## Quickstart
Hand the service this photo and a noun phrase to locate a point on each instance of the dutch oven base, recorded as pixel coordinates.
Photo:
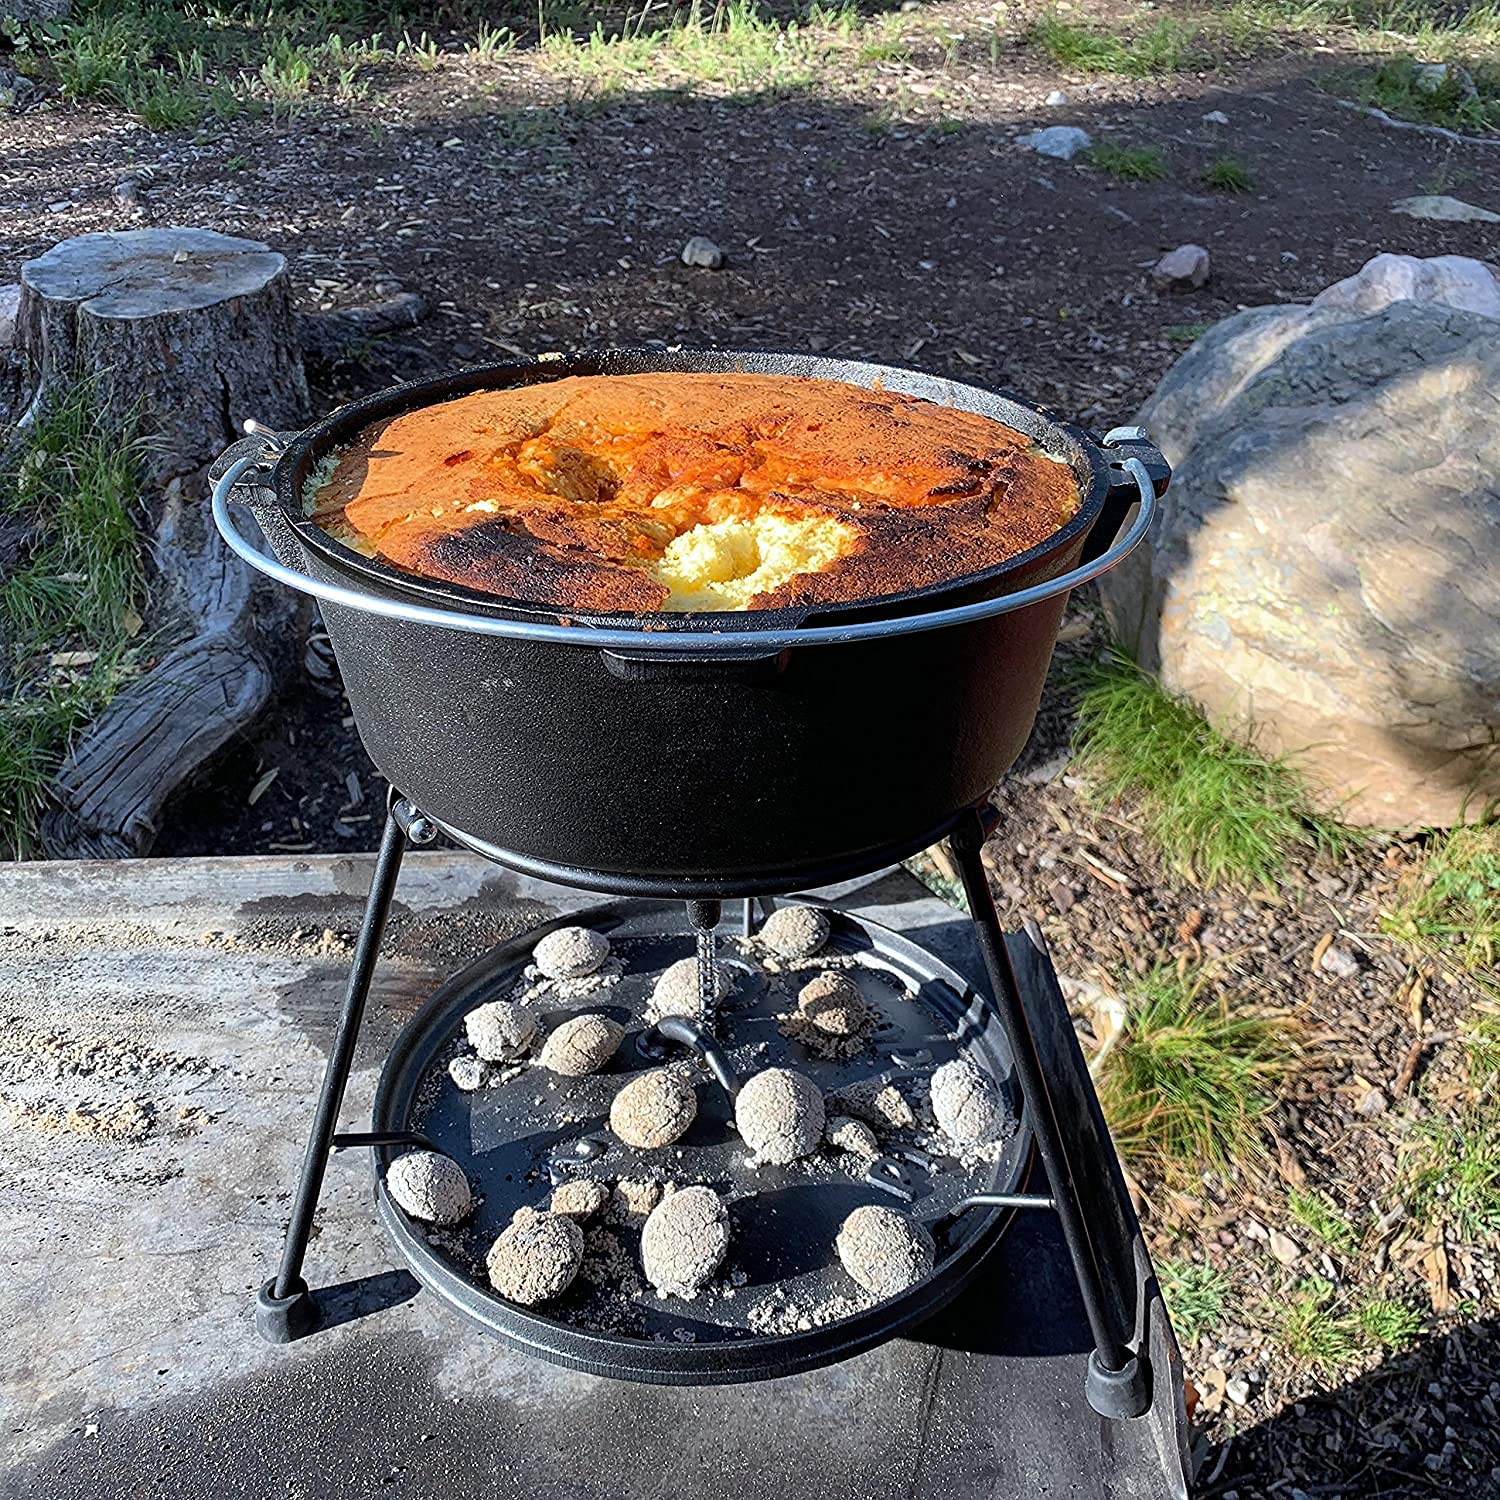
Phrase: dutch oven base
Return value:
(517, 1139)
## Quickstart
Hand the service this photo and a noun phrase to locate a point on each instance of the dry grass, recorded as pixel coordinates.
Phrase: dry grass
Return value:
(1187, 1084)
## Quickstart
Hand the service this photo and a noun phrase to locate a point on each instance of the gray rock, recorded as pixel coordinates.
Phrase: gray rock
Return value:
(1216, 117)
(1284, 1247)
(1183, 269)
(1056, 98)
(1325, 572)
(701, 251)
(1339, 962)
(1436, 77)
(1443, 209)
(16, 89)
(1450, 280)
(1061, 141)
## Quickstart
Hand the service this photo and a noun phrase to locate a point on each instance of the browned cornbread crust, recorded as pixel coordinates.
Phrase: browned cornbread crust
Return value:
(569, 492)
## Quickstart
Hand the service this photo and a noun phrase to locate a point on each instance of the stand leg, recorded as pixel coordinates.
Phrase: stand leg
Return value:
(284, 1309)
(1117, 1384)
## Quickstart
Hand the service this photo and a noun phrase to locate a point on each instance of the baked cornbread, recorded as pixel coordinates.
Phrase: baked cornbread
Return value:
(669, 491)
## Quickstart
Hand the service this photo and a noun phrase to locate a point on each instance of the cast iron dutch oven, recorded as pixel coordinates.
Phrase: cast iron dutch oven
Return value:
(690, 755)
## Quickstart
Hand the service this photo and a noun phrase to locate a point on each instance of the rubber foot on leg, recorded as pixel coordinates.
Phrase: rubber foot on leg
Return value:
(1119, 1393)
(280, 1320)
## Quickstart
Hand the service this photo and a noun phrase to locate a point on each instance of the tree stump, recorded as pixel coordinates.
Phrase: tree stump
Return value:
(193, 332)
(190, 328)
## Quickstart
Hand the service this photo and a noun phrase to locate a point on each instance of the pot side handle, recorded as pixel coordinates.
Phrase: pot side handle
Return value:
(262, 445)
(1119, 445)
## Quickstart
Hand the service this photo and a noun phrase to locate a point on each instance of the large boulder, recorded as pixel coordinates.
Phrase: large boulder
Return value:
(1325, 575)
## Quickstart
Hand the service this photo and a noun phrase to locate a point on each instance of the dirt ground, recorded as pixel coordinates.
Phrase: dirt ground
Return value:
(894, 218)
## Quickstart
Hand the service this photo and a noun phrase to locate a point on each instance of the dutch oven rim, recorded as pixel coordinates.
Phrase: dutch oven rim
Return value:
(309, 446)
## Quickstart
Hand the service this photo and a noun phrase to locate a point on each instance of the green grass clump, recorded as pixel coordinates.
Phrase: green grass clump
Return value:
(1196, 1295)
(1129, 163)
(1390, 1322)
(1318, 1327)
(1396, 87)
(172, 65)
(74, 595)
(735, 45)
(1308, 1327)
(1187, 1083)
(1186, 333)
(1210, 804)
(1451, 1175)
(1228, 174)
(1317, 1213)
(1167, 46)
(1481, 1037)
(1449, 905)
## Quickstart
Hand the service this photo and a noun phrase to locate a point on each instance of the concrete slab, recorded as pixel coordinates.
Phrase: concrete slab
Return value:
(165, 1025)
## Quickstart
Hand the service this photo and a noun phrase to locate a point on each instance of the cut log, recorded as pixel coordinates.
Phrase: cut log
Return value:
(191, 329)
(193, 332)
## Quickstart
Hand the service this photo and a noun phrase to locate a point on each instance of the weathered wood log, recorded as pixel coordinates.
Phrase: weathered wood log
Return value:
(193, 332)
(331, 337)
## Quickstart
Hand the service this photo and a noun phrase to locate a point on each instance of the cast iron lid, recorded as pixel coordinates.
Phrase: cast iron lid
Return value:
(782, 1301)
(1055, 438)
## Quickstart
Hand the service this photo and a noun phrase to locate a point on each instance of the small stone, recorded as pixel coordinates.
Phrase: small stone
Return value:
(581, 1045)
(684, 1242)
(535, 1257)
(580, 1199)
(1056, 98)
(1181, 269)
(779, 1114)
(831, 1003)
(1339, 962)
(701, 251)
(500, 1031)
(1237, 1389)
(429, 1186)
(1216, 117)
(1437, 78)
(127, 193)
(1372, 1105)
(653, 1110)
(1443, 209)
(1284, 1247)
(845, 1133)
(469, 1072)
(795, 931)
(570, 952)
(16, 89)
(884, 1251)
(1063, 142)
(965, 1102)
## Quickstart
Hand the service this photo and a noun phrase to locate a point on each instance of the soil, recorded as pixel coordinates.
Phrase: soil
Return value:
(893, 216)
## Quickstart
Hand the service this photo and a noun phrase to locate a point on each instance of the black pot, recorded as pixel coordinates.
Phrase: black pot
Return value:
(701, 767)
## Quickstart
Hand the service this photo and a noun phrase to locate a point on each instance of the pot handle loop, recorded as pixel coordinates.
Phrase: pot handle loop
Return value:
(1137, 485)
